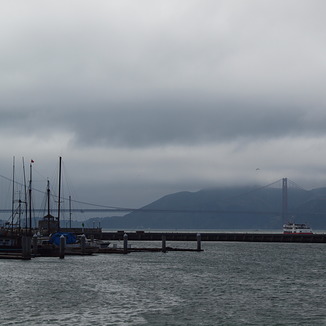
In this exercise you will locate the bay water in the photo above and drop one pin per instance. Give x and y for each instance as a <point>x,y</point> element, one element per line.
<point>229,283</point>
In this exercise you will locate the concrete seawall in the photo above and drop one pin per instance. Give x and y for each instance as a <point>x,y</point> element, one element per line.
<point>189,236</point>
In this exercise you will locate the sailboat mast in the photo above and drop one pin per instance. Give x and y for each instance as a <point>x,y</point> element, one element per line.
<point>70,212</point>
<point>19,211</point>
<point>48,196</point>
<point>59,199</point>
<point>25,191</point>
<point>30,197</point>
<point>13,195</point>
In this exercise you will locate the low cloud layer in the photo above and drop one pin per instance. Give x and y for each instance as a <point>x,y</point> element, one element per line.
<point>164,122</point>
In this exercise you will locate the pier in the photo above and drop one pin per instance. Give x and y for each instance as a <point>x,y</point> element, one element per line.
<point>222,236</point>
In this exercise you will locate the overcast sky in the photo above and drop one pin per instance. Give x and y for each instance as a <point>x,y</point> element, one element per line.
<point>145,98</point>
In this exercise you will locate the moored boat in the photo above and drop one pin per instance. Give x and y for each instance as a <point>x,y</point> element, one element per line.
<point>296,228</point>
<point>74,244</point>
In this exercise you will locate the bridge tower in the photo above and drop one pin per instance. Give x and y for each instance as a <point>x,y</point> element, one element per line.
<point>284,200</point>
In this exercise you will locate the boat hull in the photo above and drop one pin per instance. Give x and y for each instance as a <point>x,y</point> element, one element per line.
<point>295,228</point>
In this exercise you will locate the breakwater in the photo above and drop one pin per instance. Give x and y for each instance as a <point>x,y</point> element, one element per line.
<point>207,236</point>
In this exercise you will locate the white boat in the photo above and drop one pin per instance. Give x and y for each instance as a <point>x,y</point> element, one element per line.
<point>295,228</point>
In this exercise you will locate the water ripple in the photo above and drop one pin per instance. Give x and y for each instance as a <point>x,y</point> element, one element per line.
<point>227,284</point>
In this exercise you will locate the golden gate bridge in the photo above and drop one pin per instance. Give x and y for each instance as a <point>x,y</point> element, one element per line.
<point>84,207</point>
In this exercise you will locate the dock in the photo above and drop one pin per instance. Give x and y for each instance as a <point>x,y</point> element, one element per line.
<point>163,237</point>
<point>145,249</point>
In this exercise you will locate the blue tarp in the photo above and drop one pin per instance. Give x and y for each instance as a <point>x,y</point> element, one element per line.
<point>70,238</point>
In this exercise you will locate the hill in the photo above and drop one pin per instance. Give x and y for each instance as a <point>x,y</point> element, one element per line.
<point>225,208</point>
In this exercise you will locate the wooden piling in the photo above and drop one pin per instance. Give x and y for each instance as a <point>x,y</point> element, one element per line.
<point>34,242</point>
<point>26,247</point>
<point>198,242</point>
<point>163,243</point>
<point>83,244</point>
<point>62,247</point>
<point>125,243</point>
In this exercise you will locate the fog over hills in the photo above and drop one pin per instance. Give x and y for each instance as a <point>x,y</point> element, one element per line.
<point>225,208</point>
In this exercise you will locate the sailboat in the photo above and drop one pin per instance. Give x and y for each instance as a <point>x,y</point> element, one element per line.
<point>49,226</point>
<point>11,233</point>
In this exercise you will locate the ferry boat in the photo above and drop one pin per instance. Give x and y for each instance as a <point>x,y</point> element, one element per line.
<point>295,228</point>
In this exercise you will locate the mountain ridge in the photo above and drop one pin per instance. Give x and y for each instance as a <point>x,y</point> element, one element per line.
<point>245,207</point>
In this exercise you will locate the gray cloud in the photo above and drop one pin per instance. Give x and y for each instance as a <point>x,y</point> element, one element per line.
<point>192,72</point>
<point>163,77</point>
<point>161,122</point>
<point>164,122</point>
